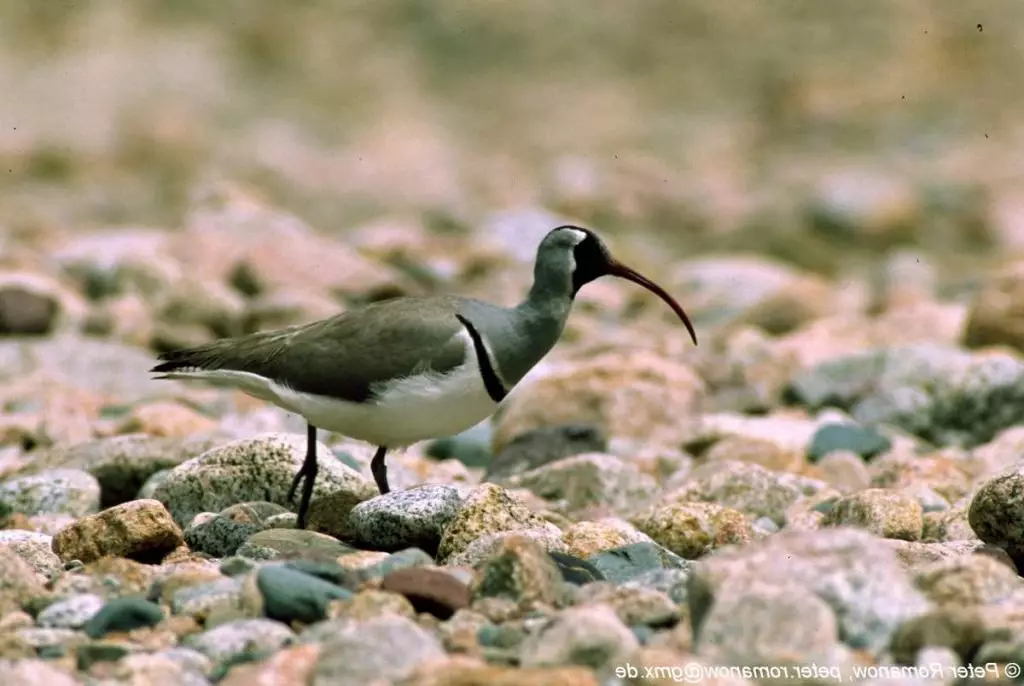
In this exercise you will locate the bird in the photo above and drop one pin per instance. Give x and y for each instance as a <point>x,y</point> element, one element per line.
<point>409,368</point>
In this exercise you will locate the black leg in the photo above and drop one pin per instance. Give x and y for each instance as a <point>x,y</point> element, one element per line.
<point>306,474</point>
<point>380,470</point>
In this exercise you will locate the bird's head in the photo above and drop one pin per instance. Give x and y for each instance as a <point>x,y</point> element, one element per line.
<point>580,256</point>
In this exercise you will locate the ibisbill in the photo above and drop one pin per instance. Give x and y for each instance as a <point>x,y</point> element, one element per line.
<point>408,369</point>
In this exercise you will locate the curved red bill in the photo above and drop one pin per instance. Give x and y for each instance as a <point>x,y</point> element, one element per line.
<point>623,272</point>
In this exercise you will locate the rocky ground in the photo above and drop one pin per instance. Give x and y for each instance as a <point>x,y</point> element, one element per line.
<point>825,481</point>
<point>828,489</point>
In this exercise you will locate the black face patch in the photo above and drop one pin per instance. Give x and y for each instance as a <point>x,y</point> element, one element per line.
<point>591,261</point>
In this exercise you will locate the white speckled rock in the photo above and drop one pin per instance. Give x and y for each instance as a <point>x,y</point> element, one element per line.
<point>70,613</point>
<point>227,641</point>
<point>413,518</point>
<point>253,469</point>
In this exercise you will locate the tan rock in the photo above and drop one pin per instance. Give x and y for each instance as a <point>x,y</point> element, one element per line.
<point>165,418</point>
<point>630,395</point>
<point>584,539</point>
<point>291,665</point>
<point>139,528</point>
<point>889,514</point>
<point>693,529</point>
<point>487,509</point>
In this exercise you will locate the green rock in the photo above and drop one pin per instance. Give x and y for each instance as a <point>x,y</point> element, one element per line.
<point>123,614</point>
<point>289,594</point>
<point>862,440</point>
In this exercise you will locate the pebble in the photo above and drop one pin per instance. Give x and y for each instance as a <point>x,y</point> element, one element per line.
<point>634,560</point>
<point>136,529</point>
<point>272,544</point>
<point>996,513</point>
<point>771,626</point>
<point>34,548</point>
<point>860,440</point>
<point>19,582</point>
<point>637,395</point>
<point>967,580</point>
<point>416,517</point>
<point>587,538</point>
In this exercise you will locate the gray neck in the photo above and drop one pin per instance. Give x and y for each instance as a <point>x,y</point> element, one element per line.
<point>538,322</point>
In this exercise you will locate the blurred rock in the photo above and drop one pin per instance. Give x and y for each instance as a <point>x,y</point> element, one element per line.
<point>693,529</point>
<point>748,488</point>
<point>860,580</point>
<point>229,230</point>
<point>537,447</point>
<point>588,480</point>
<point>749,289</point>
<point>996,315</point>
<point>631,395</point>
<point>888,514</point>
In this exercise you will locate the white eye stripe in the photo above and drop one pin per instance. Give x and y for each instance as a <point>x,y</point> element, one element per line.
<point>578,235</point>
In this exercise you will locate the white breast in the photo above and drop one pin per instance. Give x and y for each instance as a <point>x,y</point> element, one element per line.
<point>408,410</point>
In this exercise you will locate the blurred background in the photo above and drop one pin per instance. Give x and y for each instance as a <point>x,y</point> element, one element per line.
<point>824,135</point>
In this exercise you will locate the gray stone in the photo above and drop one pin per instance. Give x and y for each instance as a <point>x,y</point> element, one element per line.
<point>260,468</point>
<point>386,648</point>
<point>402,559</point>
<point>627,562</point>
<point>589,636</point>
<point>70,613</point>
<point>228,641</point>
<point>415,517</point>
<point>859,578</point>
<point>55,491</point>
